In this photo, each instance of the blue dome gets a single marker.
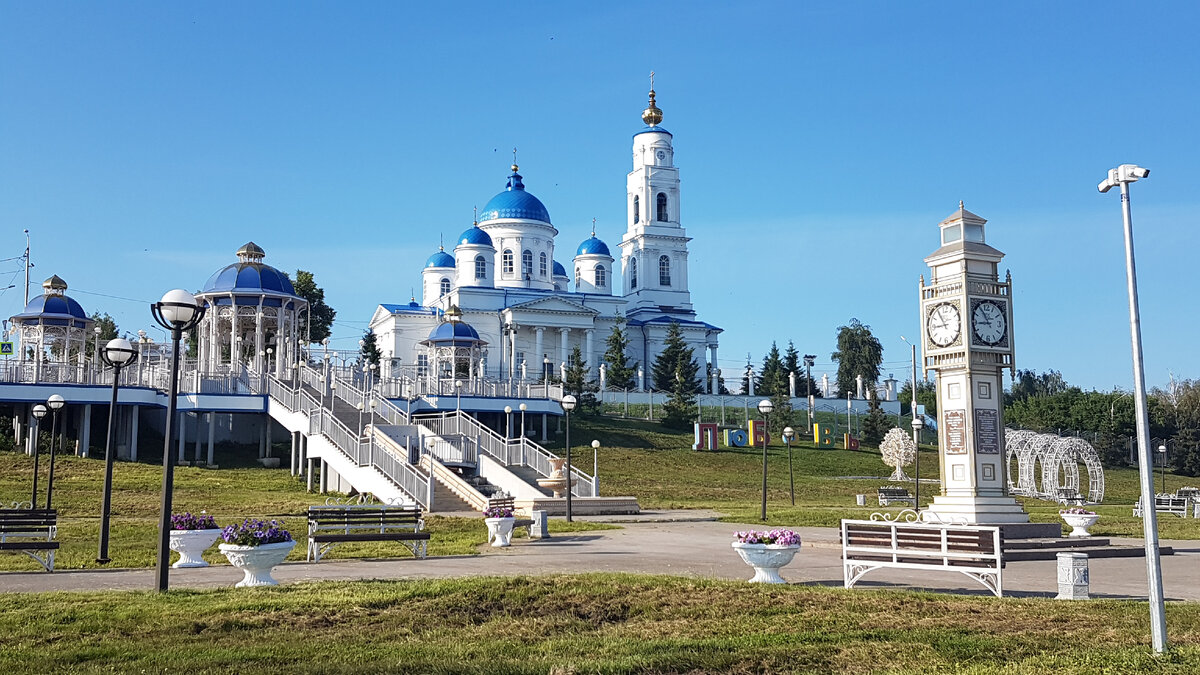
(475, 236)
(454, 333)
(53, 306)
(440, 259)
(593, 246)
(515, 202)
(249, 276)
(559, 270)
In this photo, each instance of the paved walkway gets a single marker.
(695, 548)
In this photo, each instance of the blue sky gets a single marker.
(819, 146)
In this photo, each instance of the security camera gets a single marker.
(1137, 171)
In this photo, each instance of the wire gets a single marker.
(115, 297)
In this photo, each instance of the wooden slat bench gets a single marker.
(890, 494)
(973, 550)
(32, 532)
(1068, 496)
(510, 503)
(332, 525)
(1165, 504)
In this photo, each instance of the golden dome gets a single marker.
(652, 116)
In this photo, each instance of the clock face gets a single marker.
(944, 325)
(662, 154)
(989, 323)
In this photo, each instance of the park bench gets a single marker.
(32, 532)
(973, 550)
(329, 526)
(1068, 496)
(1165, 504)
(535, 526)
(890, 494)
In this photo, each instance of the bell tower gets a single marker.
(654, 250)
(966, 333)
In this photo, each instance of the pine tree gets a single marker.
(618, 373)
(317, 322)
(580, 384)
(772, 378)
(676, 360)
(680, 409)
(876, 424)
(370, 349)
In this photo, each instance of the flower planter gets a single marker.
(257, 561)
(766, 559)
(190, 544)
(499, 531)
(1079, 523)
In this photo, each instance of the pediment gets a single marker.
(553, 305)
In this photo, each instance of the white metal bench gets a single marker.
(892, 494)
(1166, 504)
(332, 525)
(32, 532)
(973, 550)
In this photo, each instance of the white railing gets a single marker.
(397, 469)
(454, 449)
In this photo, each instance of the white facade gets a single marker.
(533, 311)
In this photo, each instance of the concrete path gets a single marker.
(694, 548)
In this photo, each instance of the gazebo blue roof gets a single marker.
(54, 310)
(454, 334)
(249, 277)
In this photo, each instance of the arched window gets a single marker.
(527, 263)
(480, 267)
(508, 262)
(542, 264)
(601, 276)
(577, 277)
(633, 272)
(664, 271)
(637, 209)
(445, 285)
(662, 207)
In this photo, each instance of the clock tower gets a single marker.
(967, 339)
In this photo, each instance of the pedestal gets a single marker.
(1074, 578)
(977, 510)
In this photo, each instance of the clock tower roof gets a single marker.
(963, 236)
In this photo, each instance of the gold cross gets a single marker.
(652, 80)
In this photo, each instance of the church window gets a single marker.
(480, 267)
(662, 208)
(633, 272)
(664, 271)
(527, 264)
(577, 277)
(601, 276)
(422, 365)
(445, 285)
(542, 264)
(508, 262)
(637, 209)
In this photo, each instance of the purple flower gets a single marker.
(776, 537)
(187, 521)
(498, 512)
(255, 533)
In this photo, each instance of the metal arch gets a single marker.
(1069, 453)
(1059, 458)
(1017, 444)
(1040, 447)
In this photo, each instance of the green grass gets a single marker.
(578, 624)
(229, 494)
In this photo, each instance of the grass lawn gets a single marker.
(578, 624)
(642, 458)
(229, 494)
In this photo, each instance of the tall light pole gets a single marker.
(117, 353)
(765, 407)
(39, 411)
(507, 423)
(595, 468)
(809, 361)
(522, 407)
(568, 404)
(178, 312)
(916, 427)
(788, 434)
(1162, 453)
(1124, 175)
(56, 402)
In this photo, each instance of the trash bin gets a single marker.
(861, 500)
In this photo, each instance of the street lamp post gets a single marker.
(507, 423)
(55, 402)
(117, 353)
(1124, 175)
(788, 434)
(568, 404)
(917, 423)
(95, 352)
(1162, 463)
(765, 407)
(178, 312)
(39, 411)
(809, 361)
(522, 407)
(595, 468)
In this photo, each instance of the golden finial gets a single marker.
(652, 116)
(514, 164)
(475, 218)
(593, 227)
(441, 242)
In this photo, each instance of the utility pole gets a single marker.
(27, 266)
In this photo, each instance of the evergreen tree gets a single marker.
(772, 378)
(317, 322)
(708, 375)
(926, 396)
(618, 373)
(680, 410)
(580, 384)
(877, 424)
(370, 349)
(859, 353)
(676, 362)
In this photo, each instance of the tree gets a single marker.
(1180, 403)
(876, 423)
(1027, 384)
(898, 451)
(675, 363)
(618, 374)
(580, 384)
(708, 375)
(859, 353)
(370, 349)
(680, 410)
(772, 378)
(108, 331)
(318, 322)
(926, 396)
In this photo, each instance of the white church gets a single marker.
(523, 313)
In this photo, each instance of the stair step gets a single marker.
(1057, 542)
(1091, 551)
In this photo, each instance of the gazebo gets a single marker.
(454, 349)
(53, 330)
(253, 316)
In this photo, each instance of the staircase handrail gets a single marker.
(453, 482)
(398, 470)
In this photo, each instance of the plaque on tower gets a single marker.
(956, 433)
(987, 432)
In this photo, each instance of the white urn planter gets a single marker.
(257, 561)
(499, 531)
(1080, 522)
(191, 544)
(766, 559)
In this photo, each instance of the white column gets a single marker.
(212, 432)
(259, 343)
(588, 356)
(562, 348)
(85, 431)
(512, 356)
(538, 347)
(792, 384)
(182, 426)
(716, 377)
(135, 415)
